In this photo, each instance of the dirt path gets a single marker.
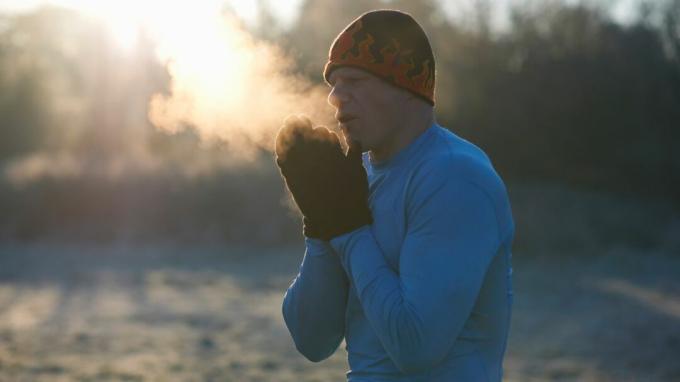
(77, 313)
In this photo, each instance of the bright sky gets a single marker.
(286, 10)
(125, 17)
(623, 11)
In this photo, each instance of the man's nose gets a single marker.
(337, 96)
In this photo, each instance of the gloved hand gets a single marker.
(329, 187)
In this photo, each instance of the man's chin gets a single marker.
(352, 136)
(349, 138)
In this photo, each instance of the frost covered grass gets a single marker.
(180, 313)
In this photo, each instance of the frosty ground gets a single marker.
(184, 313)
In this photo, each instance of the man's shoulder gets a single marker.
(451, 157)
(453, 165)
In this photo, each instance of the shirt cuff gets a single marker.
(318, 247)
(340, 243)
(360, 256)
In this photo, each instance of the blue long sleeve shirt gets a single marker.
(424, 293)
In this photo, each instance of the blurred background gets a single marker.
(145, 233)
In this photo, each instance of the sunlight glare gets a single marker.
(224, 83)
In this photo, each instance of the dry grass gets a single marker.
(158, 313)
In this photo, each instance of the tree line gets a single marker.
(563, 95)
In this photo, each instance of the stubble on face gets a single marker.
(368, 109)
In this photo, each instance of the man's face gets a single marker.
(368, 109)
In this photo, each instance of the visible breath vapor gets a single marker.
(224, 85)
(232, 88)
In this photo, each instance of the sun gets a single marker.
(245, 9)
(165, 20)
(125, 19)
(125, 32)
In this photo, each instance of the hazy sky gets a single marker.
(286, 10)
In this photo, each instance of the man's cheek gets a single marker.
(352, 129)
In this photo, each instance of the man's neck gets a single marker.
(411, 131)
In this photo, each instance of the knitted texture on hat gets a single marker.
(389, 44)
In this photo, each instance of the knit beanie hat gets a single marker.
(389, 44)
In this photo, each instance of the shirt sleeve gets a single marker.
(452, 236)
(314, 305)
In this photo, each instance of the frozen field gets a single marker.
(161, 313)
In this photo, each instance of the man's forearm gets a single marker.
(315, 303)
(443, 258)
(378, 290)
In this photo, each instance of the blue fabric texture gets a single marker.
(424, 293)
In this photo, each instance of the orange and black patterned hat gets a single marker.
(389, 44)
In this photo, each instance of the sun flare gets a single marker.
(224, 83)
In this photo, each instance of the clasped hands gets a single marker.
(329, 187)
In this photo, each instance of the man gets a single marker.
(408, 244)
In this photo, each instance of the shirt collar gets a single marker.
(402, 154)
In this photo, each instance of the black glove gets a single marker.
(329, 187)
